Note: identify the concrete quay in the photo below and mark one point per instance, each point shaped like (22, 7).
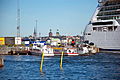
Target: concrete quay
(4, 50)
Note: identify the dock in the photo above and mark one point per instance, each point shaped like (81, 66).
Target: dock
(14, 51)
(54, 51)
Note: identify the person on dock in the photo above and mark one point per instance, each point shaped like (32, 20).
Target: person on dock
(73, 43)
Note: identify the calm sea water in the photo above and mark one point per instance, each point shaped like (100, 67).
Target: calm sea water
(102, 66)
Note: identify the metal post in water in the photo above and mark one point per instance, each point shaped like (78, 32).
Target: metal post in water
(42, 62)
(61, 60)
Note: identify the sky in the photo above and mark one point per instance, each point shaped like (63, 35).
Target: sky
(69, 16)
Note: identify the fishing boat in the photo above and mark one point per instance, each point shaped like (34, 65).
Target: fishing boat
(66, 52)
(71, 52)
(47, 50)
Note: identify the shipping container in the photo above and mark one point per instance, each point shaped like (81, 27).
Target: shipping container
(9, 40)
(2, 41)
(18, 40)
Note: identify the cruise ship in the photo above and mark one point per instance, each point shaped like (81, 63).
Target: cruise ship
(104, 27)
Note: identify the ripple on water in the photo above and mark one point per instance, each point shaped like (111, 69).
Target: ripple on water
(101, 66)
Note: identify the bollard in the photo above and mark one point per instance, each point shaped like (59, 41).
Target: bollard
(61, 60)
(1, 62)
(42, 62)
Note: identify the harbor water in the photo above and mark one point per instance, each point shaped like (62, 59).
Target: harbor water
(101, 66)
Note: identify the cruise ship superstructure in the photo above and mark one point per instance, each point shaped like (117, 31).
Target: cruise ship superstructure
(104, 28)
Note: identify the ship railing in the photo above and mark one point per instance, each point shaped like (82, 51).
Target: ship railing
(102, 1)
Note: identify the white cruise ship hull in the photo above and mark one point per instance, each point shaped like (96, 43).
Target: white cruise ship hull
(105, 34)
(105, 40)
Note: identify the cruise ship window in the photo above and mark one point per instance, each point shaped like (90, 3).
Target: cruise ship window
(94, 29)
(103, 23)
(115, 27)
(85, 33)
(99, 28)
(110, 28)
(105, 29)
(117, 17)
(89, 33)
(114, 17)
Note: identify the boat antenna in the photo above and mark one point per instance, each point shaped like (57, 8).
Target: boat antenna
(18, 18)
(36, 30)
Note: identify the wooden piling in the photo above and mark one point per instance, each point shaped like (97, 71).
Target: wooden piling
(1, 62)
